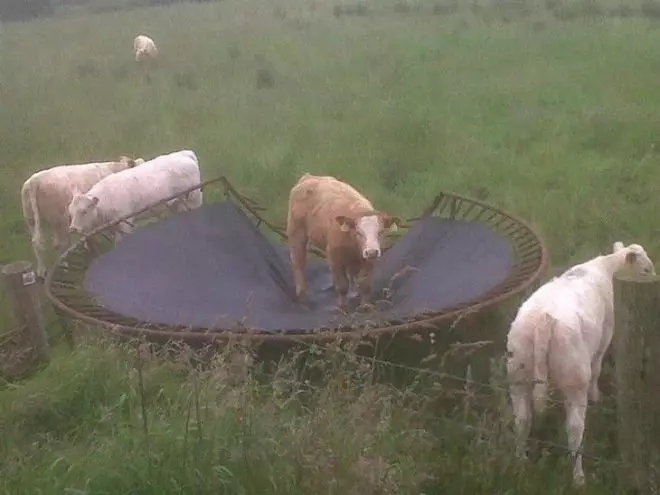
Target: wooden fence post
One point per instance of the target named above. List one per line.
(637, 364)
(23, 292)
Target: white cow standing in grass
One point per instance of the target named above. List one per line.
(144, 48)
(46, 194)
(128, 192)
(562, 332)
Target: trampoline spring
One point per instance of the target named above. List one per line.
(480, 214)
(492, 215)
(432, 207)
(469, 209)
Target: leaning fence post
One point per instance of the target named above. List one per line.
(23, 292)
(637, 364)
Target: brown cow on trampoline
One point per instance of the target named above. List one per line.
(338, 219)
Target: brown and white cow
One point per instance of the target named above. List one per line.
(46, 194)
(335, 217)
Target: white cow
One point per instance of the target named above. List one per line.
(562, 332)
(129, 191)
(46, 194)
(144, 47)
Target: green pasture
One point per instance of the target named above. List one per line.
(547, 109)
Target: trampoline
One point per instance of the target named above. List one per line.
(224, 269)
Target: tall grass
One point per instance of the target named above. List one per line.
(548, 114)
(115, 419)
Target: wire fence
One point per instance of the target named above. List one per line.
(466, 381)
(441, 375)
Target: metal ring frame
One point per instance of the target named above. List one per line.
(64, 282)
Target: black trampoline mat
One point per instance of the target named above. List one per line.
(213, 268)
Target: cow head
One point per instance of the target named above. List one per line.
(368, 230)
(129, 162)
(83, 212)
(636, 261)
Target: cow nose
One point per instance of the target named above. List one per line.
(370, 254)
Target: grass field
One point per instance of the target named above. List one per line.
(552, 116)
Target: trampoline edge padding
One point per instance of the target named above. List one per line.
(212, 270)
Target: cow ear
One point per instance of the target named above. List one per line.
(390, 222)
(127, 160)
(631, 257)
(618, 245)
(345, 223)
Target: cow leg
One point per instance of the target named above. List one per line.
(39, 248)
(296, 233)
(521, 400)
(299, 265)
(576, 410)
(122, 230)
(194, 200)
(61, 240)
(596, 366)
(364, 279)
(340, 280)
(597, 361)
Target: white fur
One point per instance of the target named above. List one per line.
(144, 47)
(562, 332)
(370, 228)
(46, 194)
(130, 191)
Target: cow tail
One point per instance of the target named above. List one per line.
(542, 335)
(30, 207)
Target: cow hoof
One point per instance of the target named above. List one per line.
(302, 299)
(365, 308)
(579, 480)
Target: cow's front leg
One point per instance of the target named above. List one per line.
(341, 283)
(364, 280)
(123, 229)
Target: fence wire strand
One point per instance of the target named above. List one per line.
(444, 375)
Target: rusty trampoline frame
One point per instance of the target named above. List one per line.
(64, 281)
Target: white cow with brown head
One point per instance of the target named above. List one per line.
(336, 218)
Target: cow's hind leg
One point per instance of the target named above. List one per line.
(39, 248)
(597, 361)
(521, 401)
(298, 252)
(596, 366)
(61, 240)
(576, 410)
